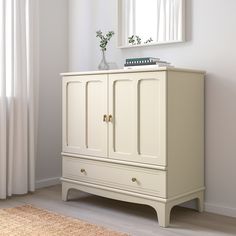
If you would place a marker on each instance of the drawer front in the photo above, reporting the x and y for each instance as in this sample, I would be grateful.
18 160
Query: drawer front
135 179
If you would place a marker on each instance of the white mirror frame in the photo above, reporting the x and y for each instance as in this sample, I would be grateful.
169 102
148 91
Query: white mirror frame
120 28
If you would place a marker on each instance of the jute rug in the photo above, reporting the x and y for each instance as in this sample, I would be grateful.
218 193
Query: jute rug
31 221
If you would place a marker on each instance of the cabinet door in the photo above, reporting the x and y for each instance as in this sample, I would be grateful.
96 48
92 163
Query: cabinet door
137 102
84 107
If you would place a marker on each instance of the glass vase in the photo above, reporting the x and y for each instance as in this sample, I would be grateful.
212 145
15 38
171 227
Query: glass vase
103 65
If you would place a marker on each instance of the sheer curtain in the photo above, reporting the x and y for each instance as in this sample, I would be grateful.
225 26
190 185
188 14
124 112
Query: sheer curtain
18 97
169 20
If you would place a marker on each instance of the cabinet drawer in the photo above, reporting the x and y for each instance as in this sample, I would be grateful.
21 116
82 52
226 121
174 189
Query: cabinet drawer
135 179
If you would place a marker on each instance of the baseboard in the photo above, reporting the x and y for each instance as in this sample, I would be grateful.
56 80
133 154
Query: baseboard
212 208
221 210
47 182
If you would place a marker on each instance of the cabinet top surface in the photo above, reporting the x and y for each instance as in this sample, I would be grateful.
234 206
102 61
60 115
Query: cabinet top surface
118 71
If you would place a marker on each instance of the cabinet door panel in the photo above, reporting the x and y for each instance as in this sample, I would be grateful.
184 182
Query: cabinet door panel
84 104
123 101
75 121
95 93
137 102
149 117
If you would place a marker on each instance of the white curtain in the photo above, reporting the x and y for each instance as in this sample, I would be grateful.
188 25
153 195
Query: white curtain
18 97
169 20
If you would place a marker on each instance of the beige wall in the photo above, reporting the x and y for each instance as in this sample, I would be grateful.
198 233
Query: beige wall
53 59
210 46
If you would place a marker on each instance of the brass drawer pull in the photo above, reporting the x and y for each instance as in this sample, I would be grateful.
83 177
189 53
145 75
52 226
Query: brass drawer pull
82 171
134 180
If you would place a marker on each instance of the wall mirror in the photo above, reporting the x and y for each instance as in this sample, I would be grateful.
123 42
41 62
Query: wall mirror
150 22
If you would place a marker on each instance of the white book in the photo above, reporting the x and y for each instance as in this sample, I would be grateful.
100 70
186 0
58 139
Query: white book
147 66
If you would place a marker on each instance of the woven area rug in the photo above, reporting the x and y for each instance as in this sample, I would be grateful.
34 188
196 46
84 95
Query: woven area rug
31 221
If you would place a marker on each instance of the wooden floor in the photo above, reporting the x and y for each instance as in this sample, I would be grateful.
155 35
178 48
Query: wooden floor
126 217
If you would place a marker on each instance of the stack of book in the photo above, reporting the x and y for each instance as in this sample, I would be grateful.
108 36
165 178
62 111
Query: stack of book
152 62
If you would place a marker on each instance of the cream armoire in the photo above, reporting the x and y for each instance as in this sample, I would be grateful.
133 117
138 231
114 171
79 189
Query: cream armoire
135 136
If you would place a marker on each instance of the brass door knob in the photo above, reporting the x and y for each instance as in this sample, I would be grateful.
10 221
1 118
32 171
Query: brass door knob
110 118
104 118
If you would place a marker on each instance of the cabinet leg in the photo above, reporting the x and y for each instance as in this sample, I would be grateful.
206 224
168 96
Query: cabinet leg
65 190
200 202
163 214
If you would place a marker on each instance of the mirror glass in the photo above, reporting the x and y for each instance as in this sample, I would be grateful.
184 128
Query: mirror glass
148 22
